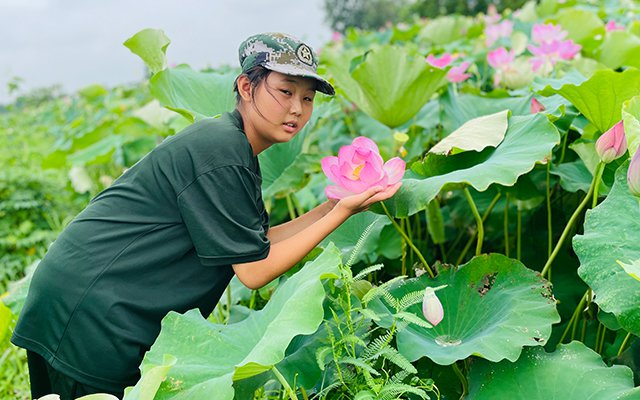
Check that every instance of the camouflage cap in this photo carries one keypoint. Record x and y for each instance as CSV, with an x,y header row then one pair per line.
x,y
282,53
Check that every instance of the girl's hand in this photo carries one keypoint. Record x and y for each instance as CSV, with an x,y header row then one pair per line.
x,y
360,202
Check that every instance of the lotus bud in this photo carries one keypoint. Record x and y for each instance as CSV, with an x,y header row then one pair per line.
x,y
612,144
633,175
536,106
431,307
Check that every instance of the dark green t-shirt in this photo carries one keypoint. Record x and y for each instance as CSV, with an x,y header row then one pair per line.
x,y
161,238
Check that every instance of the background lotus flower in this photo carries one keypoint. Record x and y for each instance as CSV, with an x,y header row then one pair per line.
x,y
457,74
612,26
432,307
500,58
633,174
550,53
440,62
547,33
359,167
495,32
612,144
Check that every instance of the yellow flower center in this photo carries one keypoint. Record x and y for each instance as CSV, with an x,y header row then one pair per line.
x,y
356,171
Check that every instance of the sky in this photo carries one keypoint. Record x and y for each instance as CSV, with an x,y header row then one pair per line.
x,y
76,43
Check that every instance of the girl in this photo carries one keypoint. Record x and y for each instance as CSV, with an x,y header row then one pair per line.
x,y
170,233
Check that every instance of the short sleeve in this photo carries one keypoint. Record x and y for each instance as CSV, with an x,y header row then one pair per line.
x,y
225,216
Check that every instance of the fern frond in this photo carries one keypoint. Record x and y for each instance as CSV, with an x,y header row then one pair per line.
x,y
400,376
368,313
352,339
356,362
392,391
410,299
359,244
373,349
394,356
367,271
321,354
412,318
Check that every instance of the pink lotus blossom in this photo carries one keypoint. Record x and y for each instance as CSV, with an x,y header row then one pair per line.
x,y
500,58
633,174
432,307
495,32
536,106
612,26
457,74
359,167
492,16
440,62
612,144
550,53
336,36
547,33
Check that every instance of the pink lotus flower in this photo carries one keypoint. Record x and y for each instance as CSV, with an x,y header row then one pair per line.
x,y
612,144
633,174
500,58
612,26
440,62
495,32
359,167
550,53
432,307
457,74
536,106
547,33
492,15
336,36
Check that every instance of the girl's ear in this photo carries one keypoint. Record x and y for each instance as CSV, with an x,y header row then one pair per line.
x,y
244,87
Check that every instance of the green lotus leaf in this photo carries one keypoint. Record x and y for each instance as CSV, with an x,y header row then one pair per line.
x,y
476,134
445,29
612,234
459,109
600,97
493,306
573,176
632,269
573,371
631,117
194,95
619,49
389,83
210,356
529,140
150,45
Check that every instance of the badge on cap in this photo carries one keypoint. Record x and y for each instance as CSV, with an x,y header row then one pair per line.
x,y
304,54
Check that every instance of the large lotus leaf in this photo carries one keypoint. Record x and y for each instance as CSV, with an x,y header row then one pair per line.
x,y
389,83
529,140
445,29
476,134
571,372
459,109
611,234
210,356
600,97
619,49
573,176
493,306
193,94
631,117
150,45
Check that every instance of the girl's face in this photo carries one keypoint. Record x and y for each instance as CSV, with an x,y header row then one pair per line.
x,y
281,106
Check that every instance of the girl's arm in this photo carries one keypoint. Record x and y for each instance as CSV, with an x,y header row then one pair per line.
x,y
286,253
283,231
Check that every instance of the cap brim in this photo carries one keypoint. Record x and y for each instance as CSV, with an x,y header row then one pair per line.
x,y
323,86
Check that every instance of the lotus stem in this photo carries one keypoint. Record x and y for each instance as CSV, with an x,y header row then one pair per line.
x,y
506,225
476,214
463,380
519,233
624,343
598,178
292,211
409,242
574,316
473,236
284,383
572,220
549,220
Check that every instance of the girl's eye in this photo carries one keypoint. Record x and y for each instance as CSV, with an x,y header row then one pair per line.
x,y
285,91
309,99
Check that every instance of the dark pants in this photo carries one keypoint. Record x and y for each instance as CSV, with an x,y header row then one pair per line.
x,y
46,380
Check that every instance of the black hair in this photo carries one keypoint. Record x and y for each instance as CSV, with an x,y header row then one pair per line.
x,y
256,75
